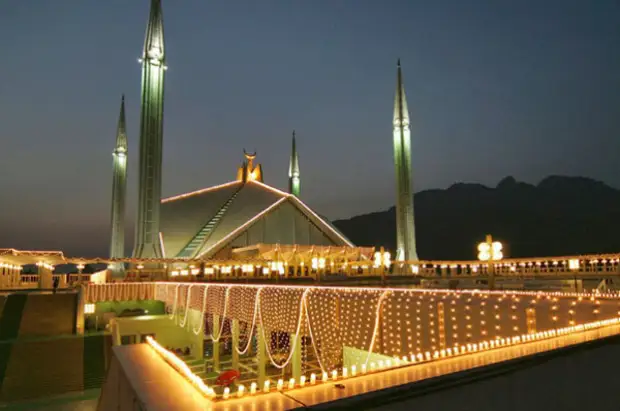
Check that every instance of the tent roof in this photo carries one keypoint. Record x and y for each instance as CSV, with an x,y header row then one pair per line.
x,y
185,215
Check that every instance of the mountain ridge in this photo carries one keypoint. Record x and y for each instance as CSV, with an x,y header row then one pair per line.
x,y
561,215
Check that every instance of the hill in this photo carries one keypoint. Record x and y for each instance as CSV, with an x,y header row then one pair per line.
x,y
559,216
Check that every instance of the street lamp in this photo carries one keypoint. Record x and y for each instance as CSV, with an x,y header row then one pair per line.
x,y
490,250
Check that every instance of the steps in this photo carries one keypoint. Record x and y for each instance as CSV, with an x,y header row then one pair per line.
x,y
196,366
2,301
199,239
12,316
43,367
48,314
94,361
5,355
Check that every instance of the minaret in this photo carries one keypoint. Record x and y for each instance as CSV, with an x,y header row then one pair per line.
x,y
147,244
119,184
405,227
294,182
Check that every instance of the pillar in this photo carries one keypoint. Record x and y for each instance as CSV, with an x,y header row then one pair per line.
x,y
79,318
216,344
491,275
261,356
12,277
235,343
45,277
296,357
116,333
197,341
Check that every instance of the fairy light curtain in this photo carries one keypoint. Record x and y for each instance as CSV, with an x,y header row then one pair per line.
x,y
324,321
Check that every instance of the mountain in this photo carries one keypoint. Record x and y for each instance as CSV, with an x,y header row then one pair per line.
x,y
559,216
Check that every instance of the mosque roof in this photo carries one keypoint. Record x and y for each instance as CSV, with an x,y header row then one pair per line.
x,y
199,223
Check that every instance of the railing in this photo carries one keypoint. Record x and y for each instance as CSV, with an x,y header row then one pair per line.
x,y
594,266
329,333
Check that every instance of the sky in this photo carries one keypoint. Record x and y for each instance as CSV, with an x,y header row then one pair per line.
x,y
495,87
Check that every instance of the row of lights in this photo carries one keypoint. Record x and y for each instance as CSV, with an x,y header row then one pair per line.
x,y
45,265
385,261
573,264
273,266
373,367
12,267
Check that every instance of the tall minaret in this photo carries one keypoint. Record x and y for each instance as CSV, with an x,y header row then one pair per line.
x,y
294,181
405,227
119,184
147,244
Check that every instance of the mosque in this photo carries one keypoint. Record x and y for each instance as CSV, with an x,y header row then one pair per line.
x,y
242,218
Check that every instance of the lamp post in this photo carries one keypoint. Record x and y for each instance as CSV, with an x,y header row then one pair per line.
x,y
490,251
382,261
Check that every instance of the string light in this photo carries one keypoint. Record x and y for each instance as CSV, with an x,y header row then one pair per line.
x,y
355,331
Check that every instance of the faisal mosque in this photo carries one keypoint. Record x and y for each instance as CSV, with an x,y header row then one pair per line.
x,y
245,217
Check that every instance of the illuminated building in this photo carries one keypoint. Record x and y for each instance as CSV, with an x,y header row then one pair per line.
x,y
119,189
405,226
147,240
211,222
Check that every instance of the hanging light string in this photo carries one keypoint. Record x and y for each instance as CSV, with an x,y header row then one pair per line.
x,y
187,300
251,332
174,305
202,313
223,318
292,350
376,327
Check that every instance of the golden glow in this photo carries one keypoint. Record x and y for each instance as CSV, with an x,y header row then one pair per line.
x,y
490,251
176,363
201,191
89,308
284,305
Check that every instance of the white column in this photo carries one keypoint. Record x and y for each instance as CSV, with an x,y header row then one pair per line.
x,y
296,359
261,356
3,277
235,343
216,344
79,318
45,277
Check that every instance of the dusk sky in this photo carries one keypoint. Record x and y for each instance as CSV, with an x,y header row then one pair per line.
x,y
525,88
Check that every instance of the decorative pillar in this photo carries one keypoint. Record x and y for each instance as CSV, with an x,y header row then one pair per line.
x,y
116,333
296,358
14,277
261,356
234,328
79,318
45,276
216,344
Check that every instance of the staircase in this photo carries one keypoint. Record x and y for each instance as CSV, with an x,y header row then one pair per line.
x,y
11,318
42,368
199,239
94,361
48,314
198,367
